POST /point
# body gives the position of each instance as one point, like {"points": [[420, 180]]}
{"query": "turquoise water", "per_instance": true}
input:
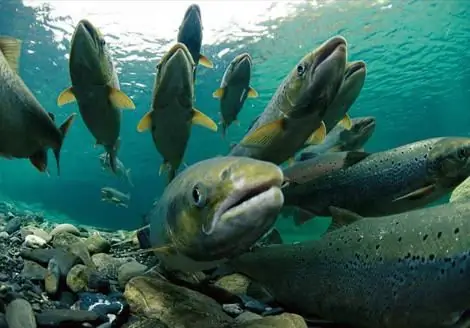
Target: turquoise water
{"points": [[418, 83]]}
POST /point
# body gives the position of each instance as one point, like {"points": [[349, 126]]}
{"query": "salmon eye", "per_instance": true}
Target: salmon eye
{"points": [[300, 69], [198, 197]]}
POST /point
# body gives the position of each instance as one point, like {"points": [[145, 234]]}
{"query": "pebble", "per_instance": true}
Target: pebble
{"points": [[65, 227], [4, 235], [130, 270], [97, 244], [33, 271], [13, 225], [19, 314], [33, 241], [32, 230]]}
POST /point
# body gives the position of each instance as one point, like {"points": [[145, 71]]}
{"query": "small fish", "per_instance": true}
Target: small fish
{"points": [[172, 112], [341, 139], [121, 170], [294, 115], [388, 182], [214, 210], [234, 89], [337, 113], [190, 34], [114, 196], [95, 87], [407, 270], [26, 129]]}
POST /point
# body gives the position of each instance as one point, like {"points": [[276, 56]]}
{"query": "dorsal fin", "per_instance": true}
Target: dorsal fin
{"points": [[341, 217], [11, 49]]}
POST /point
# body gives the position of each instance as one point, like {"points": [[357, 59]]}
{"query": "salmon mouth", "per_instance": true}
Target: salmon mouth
{"points": [[353, 68], [333, 46]]}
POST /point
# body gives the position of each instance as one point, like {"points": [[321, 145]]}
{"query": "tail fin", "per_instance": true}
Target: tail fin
{"points": [[64, 128]]}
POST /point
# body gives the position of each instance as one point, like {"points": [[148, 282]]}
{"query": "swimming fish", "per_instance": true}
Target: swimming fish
{"points": [[294, 115], [114, 196], [340, 139], [214, 210], [172, 111], [387, 182], [121, 170], [234, 89], [95, 87], [190, 33], [337, 113], [26, 129], [407, 270]]}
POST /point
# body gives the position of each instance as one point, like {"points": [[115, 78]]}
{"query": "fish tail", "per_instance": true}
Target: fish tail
{"points": [[64, 128]]}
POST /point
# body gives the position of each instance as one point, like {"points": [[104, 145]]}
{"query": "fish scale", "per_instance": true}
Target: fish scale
{"points": [[400, 271]]}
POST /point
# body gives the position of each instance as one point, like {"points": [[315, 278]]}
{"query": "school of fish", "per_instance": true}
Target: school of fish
{"points": [[389, 257]]}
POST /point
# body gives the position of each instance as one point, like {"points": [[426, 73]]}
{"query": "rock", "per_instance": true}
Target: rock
{"points": [[64, 240], [285, 320], [97, 244], [80, 250], [77, 278], [13, 225], [4, 235], [234, 283], [146, 323], [65, 260], [68, 318], [19, 314], [52, 279], [32, 230], [4, 277], [98, 282], [42, 256], [233, 309], [176, 306], [67, 298], [130, 270], [33, 271], [65, 228], [33, 241], [113, 306], [107, 264], [247, 316]]}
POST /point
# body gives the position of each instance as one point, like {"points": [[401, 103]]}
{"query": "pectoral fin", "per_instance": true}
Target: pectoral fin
{"points": [[318, 136], [341, 217], [346, 122], [202, 119], [418, 194], [252, 93], [204, 61], [11, 49], [39, 160], [264, 135], [145, 122], [66, 97], [120, 100], [219, 93], [301, 216]]}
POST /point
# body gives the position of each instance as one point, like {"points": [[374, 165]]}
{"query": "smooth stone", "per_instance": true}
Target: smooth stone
{"points": [[234, 283], [67, 318], [130, 270], [146, 323], [67, 298], [19, 314], [42, 256], [97, 244], [80, 250], [285, 320], [4, 277], [33, 271], [65, 227], [174, 305], [13, 225], [32, 230], [33, 241], [64, 239], [4, 235], [97, 281], [77, 278], [107, 264], [65, 260], [52, 279]]}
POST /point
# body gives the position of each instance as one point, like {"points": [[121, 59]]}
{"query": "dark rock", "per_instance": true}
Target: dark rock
{"points": [[113, 304], [145, 323], [67, 318], [98, 282], [65, 261], [68, 298], [130, 270], [33, 271], [19, 314], [13, 225], [4, 277], [41, 256], [3, 321], [64, 239]]}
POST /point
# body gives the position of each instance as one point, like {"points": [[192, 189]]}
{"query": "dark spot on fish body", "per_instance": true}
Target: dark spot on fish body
{"points": [[425, 237], [439, 234]]}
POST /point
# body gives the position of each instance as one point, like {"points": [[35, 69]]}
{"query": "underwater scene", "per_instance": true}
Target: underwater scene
{"points": [[234, 164]]}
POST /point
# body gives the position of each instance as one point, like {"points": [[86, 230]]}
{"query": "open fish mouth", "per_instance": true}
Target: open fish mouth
{"points": [[368, 124], [254, 198], [334, 45], [353, 68]]}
